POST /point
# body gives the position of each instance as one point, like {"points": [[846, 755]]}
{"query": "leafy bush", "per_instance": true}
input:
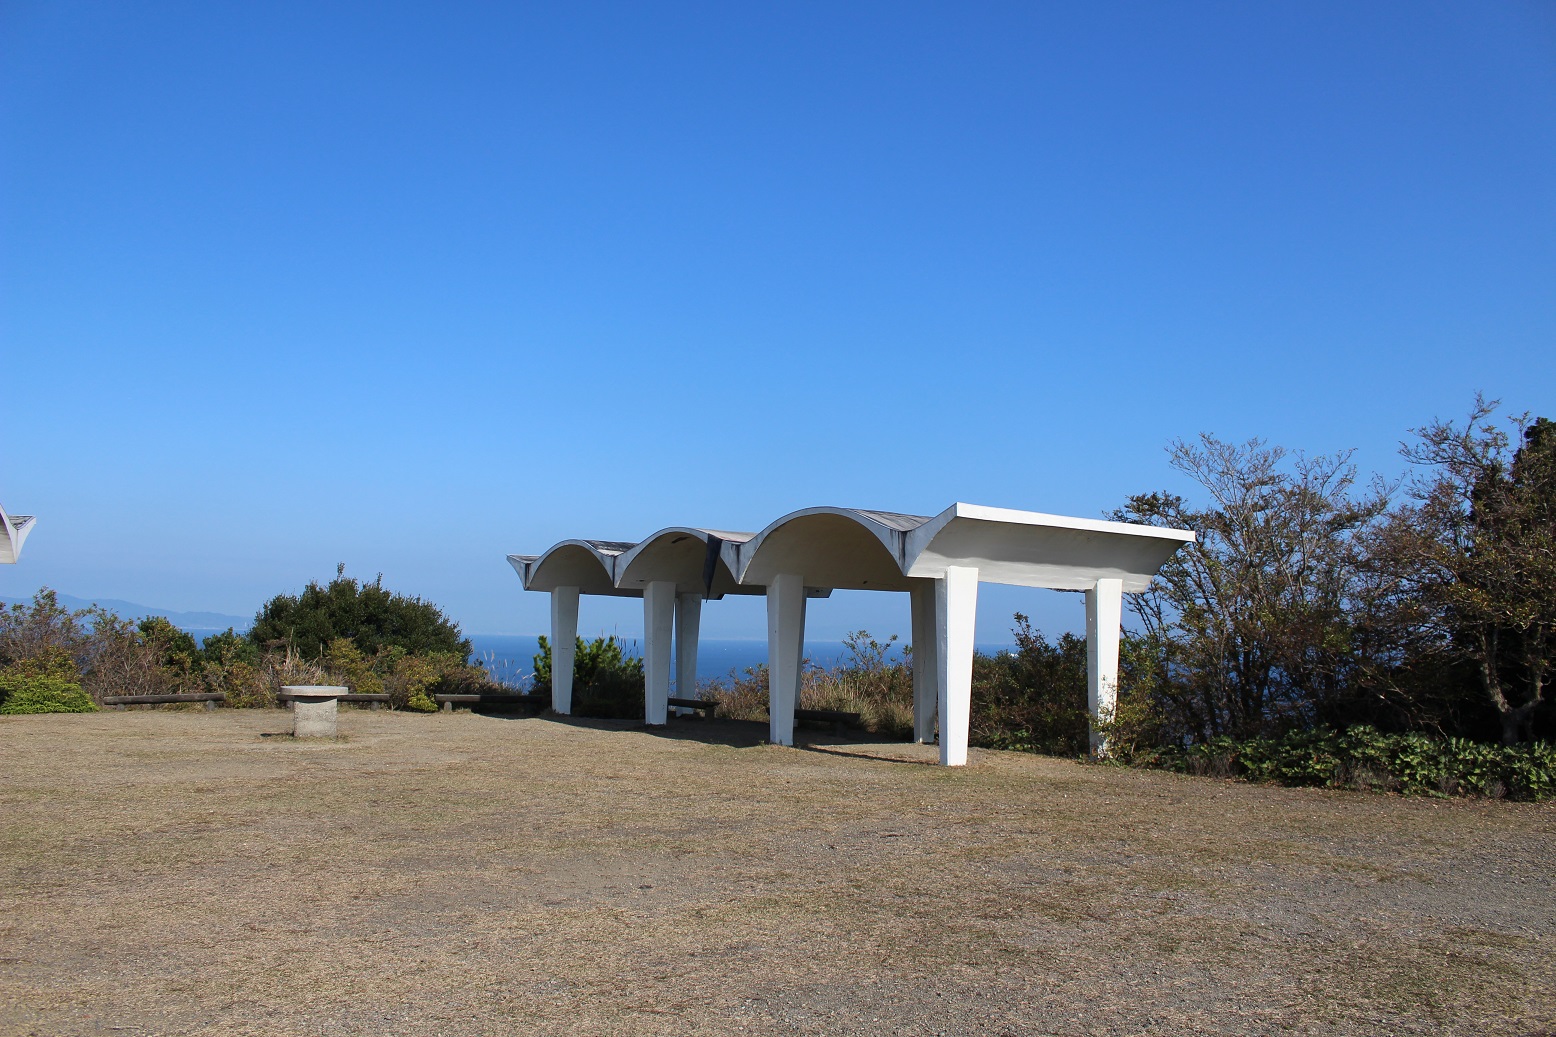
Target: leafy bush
{"points": [[1366, 758], [365, 613], [30, 631], [613, 692], [606, 681], [1032, 699], [21, 694], [51, 661], [410, 682]]}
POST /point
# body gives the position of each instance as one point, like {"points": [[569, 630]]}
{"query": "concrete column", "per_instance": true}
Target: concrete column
{"points": [[925, 669], [564, 646], [658, 621], [956, 610], [1104, 617], [785, 649], [688, 620]]}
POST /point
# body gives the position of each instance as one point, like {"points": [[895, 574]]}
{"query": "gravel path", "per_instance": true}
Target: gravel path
{"points": [[202, 873]]}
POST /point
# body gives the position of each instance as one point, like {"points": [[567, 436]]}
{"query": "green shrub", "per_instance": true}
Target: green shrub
{"points": [[51, 661], [1366, 758], [606, 681], [612, 692], [365, 613], [21, 694]]}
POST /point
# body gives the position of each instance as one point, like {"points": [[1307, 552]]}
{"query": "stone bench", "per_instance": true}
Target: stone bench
{"points": [[451, 700], [836, 717], [514, 699], [372, 701], [708, 706], [121, 701]]}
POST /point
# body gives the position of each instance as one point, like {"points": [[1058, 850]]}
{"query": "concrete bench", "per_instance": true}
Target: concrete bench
{"points": [[836, 717], [121, 701], [706, 705], [371, 701], [515, 699], [450, 701]]}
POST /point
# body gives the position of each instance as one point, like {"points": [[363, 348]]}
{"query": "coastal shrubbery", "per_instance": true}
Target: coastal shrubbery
{"points": [[377, 643], [1365, 758], [607, 682], [22, 694]]}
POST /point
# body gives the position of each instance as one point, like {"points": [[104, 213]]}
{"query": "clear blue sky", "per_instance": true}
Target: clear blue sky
{"points": [[413, 287]]}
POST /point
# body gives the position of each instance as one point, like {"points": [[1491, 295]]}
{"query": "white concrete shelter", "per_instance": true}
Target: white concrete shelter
{"points": [[13, 533], [938, 560]]}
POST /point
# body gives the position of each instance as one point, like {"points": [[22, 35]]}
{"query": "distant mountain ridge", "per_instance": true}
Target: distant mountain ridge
{"points": [[130, 610]]}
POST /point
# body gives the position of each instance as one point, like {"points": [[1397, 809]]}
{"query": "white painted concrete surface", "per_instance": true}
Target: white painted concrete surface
{"points": [[926, 667], [13, 533], [1104, 619], [658, 621], [785, 650], [956, 610], [688, 624], [939, 560], [564, 647]]}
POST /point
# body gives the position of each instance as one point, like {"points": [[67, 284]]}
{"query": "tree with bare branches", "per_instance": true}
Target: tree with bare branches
{"points": [[1253, 624], [1470, 564]]}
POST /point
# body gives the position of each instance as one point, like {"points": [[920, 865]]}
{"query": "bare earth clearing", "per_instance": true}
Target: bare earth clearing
{"points": [[197, 873]]}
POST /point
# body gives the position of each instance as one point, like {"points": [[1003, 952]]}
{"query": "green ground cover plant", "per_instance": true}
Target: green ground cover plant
{"points": [[1368, 759], [21, 694]]}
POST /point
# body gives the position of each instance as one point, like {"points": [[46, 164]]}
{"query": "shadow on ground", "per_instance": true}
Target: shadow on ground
{"points": [[737, 734]]}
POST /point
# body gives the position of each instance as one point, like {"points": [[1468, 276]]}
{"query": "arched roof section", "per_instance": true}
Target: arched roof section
{"points": [[1032, 549], [589, 565], [686, 556], [13, 531], [842, 548]]}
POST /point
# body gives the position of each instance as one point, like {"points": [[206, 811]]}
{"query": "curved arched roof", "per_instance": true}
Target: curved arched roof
{"points": [[686, 556], [883, 550], [589, 565], [855, 548], [844, 548], [13, 531]]}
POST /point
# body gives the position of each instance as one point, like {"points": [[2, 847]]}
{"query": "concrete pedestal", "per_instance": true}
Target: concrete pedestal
{"points": [[313, 709]]}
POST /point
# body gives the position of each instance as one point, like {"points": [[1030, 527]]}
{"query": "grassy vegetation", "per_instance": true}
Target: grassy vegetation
{"points": [[100, 654]]}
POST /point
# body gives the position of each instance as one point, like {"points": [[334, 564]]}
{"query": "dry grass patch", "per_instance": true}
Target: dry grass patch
{"points": [[181, 873]]}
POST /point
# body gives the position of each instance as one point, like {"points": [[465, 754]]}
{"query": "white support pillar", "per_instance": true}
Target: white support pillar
{"points": [[785, 649], [658, 620], [956, 612], [688, 620], [925, 669], [564, 646], [1104, 617]]}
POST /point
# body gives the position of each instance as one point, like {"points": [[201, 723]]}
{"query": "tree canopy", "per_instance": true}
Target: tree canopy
{"points": [[369, 616]]}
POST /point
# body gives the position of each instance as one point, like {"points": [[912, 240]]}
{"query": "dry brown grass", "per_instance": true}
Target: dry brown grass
{"points": [[189, 873]]}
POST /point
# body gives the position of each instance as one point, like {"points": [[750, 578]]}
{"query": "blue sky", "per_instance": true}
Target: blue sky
{"points": [[413, 287]]}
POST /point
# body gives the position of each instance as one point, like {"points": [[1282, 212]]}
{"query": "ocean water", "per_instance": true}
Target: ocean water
{"points": [[509, 657]]}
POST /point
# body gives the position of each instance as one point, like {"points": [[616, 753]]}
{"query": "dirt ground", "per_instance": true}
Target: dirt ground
{"points": [[203, 873]]}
